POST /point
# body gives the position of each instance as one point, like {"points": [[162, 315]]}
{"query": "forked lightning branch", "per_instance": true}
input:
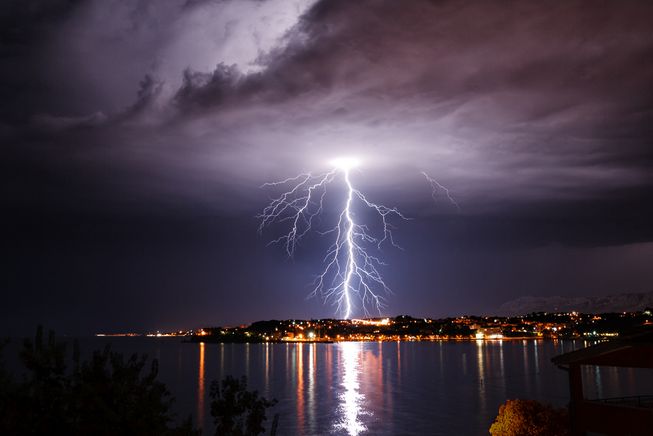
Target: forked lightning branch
{"points": [[351, 277]]}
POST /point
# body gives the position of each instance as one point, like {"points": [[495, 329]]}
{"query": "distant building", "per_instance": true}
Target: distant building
{"points": [[489, 333]]}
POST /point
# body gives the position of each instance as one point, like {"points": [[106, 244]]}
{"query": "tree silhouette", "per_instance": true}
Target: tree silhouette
{"points": [[105, 395], [237, 411], [109, 394]]}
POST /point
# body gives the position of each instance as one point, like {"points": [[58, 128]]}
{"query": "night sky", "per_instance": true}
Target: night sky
{"points": [[136, 134]]}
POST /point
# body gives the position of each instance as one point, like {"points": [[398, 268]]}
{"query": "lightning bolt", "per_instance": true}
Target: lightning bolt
{"points": [[351, 270], [437, 188]]}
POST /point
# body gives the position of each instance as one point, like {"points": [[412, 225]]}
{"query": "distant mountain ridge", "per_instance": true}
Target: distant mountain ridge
{"points": [[628, 302]]}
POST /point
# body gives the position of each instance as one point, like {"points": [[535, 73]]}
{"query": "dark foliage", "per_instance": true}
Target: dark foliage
{"points": [[106, 395], [237, 411], [110, 395]]}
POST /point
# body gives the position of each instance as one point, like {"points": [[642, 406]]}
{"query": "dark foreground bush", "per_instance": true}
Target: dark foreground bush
{"points": [[530, 418], [108, 395], [237, 411]]}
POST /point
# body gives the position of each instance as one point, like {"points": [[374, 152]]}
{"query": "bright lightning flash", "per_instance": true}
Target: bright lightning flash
{"points": [[351, 270]]}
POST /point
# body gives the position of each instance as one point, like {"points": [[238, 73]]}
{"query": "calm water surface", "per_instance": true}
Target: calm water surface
{"points": [[390, 388]]}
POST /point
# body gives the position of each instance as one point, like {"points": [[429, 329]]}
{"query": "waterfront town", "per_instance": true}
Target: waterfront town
{"points": [[540, 325]]}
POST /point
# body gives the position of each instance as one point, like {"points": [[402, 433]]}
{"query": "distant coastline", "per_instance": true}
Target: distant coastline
{"points": [[534, 326]]}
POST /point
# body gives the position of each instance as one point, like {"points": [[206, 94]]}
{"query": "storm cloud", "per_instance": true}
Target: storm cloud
{"points": [[538, 116]]}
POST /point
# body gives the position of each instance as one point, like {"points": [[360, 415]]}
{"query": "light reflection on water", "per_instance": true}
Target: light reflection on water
{"points": [[299, 353], [430, 388], [201, 383], [351, 406], [311, 386], [480, 360]]}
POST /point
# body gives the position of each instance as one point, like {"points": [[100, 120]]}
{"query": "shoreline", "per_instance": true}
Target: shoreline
{"points": [[525, 338]]}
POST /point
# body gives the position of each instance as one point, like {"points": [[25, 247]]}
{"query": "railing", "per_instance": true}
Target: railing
{"points": [[632, 401]]}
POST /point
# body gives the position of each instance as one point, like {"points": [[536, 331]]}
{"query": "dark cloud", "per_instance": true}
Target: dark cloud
{"points": [[518, 104], [537, 116], [24, 25]]}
